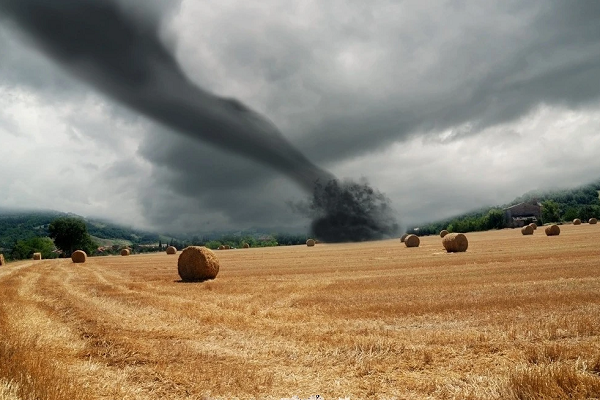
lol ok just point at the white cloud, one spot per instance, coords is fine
(429, 179)
(67, 156)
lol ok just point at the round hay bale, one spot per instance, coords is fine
(455, 243)
(78, 256)
(246, 246)
(197, 263)
(527, 230)
(533, 225)
(310, 242)
(412, 241)
(221, 247)
(443, 233)
(2, 261)
(125, 252)
(37, 256)
(552, 230)
(227, 247)
(403, 237)
(576, 221)
(593, 221)
(171, 250)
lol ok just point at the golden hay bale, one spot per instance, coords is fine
(443, 233)
(171, 250)
(310, 242)
(576, 221)
(533, 225)
(455, 243)
(37, 256)
(125, 252)
(552, 230)
(221, 247)
(593, 221)
(412, 241)
(78, 256)
(197, 263)
(246, 246)
(403, 237)
(227, 247)
(527, 230)
(2, 261)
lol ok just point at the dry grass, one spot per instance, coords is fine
(78, 256)
(508, 319)
(527, 230)
(171, 250)
(552, 230)
(412, 241)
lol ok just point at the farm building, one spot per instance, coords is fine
(522, 214)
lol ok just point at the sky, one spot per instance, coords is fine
(442, 106)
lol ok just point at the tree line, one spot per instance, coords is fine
(558, 206)
(62, 236)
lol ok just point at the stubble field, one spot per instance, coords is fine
(515, 317)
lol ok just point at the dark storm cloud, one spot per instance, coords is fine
(345, 79)
(215, 189)
(120, 53)
(486, 78)
(361, 76)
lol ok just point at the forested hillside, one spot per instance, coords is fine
(557, 206)
(25, 232)
(19, 226)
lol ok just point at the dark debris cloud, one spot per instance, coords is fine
(120, 53)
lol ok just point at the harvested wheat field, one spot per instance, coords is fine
(514, 317)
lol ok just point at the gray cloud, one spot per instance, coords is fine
(217, 188)
(345, 81)
(359, 77)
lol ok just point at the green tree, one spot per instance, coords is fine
(24, 249)
(70, 234)
(495, 219)
(571, 213)
(550, 211)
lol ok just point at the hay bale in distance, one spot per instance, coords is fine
(527, 230)
(125, 252)
(576, 221)
(552, 230)
(443, 233)
(37, 256)
(533, 225)
(412, 241)
(221, 247)
(171, 250)
(455, 243)
(403, 237)
(593, 221)
(227, 247)
(78, 256)
(246, 246)
(2, 261)
(310, 242)
(197, 263)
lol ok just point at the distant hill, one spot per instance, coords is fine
(20, 225)
(567, 204)
(24, 224)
